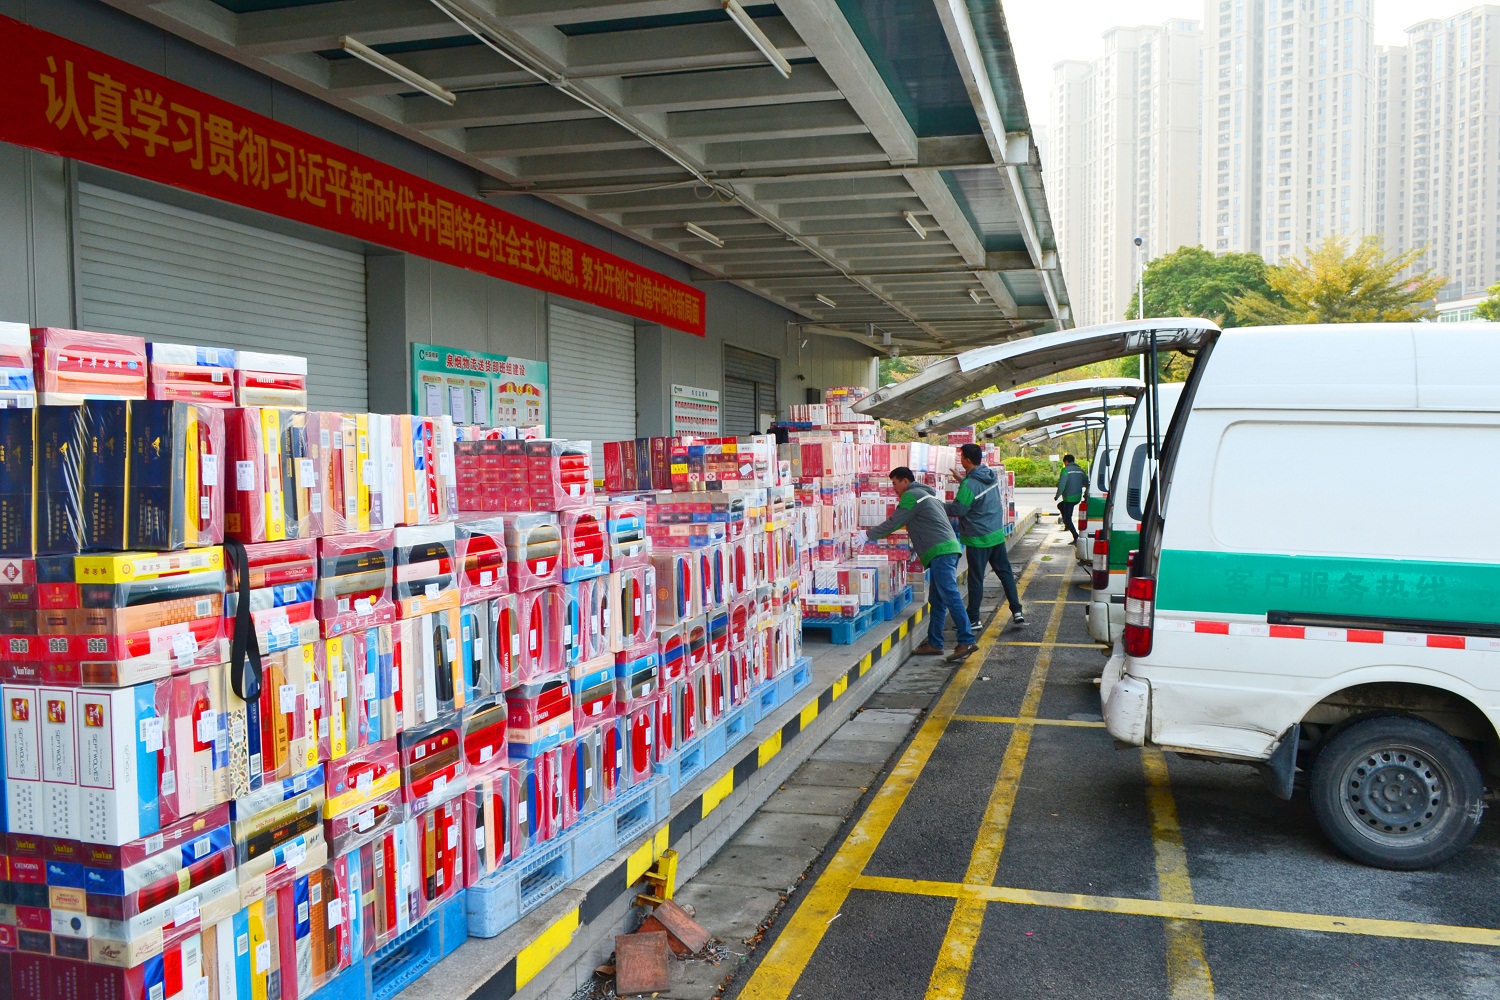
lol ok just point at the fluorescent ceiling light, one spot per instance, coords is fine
(827, 301)
(911, 220)
(752, 31)
(385, 64)
(703, 234)
(975, 296)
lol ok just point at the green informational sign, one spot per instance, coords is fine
(473, 387)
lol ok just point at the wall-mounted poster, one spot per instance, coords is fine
(695, 411)
(473, 387)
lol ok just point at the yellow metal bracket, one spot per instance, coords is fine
(662, 879)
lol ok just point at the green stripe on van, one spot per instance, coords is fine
(1095, 507)
(1121, 544)
(1254, 583)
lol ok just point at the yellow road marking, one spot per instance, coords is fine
(799, 939)
(1488, 937)
(1012, 720)
(1188, 975)
(1055, 645)
(950, 974)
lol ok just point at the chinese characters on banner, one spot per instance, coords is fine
(477, 388)
(695, 411)
(73, 101)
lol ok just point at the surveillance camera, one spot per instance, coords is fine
(1139, 241)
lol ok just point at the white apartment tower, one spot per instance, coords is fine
(1233, 92)
(1392, 134)
(1125, 159)
(1454, 165)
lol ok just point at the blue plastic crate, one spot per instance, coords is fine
(714, 744)
(901, 600)
(572, 574)
(351, 984)
(684, 765)
(398, 964)
(737, 725)
(639, 810)
(794, 680)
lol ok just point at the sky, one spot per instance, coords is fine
(1045, 32)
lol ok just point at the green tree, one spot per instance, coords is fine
(1338, 285)
(1191, 281)
(1490, 308)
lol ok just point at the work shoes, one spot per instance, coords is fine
(927, 649)
(961, 652)
(1017, 618)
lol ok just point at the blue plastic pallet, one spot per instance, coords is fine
(737, 725)
(520, 887)
(901, 600)
(766, 698)
(639, 810)
(685, 765)
(714, 744)
(593, 840)
(843, 631)
(795, 679)
(397, 964)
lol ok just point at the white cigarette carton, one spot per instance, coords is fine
(117, 773)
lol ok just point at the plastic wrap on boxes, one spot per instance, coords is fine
(677, 590)
(58, 456)
(593, 684)
(267, 495)
(505, 640)
(638, 677)
(361, 778)
(640, 740)
(634, 590)
(143, 615)
(477, 653)
(695, 634)
(540, 714)
(542, 614)
(426, 580)
(286, 719)
(282, 580)
(585, 543)
(667, 728)
(18, 482)
(590, 623)
(270, 380)
(359, 825)
(583, 779)
(175, 496)
(278, 810)
(544, 796)
(428, 651)
(363, 688)
(202, 767)
(17, 382)
(482, 571)
(560, 473)
(433, 765)
(491, 827)
(354, 581)
(533, 545)
(74, 365)
(191, 374)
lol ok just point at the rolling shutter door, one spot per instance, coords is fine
(591, 378)
(168, 273)
(749, 391)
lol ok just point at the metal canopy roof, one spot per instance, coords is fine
(1063, 429)
(1048, 415)
(1008, 365)
(1000, 404)
(647, 115)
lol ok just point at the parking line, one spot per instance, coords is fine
(1188, 975)
(779, 971)
(1056, 645)
(1408, 930)
(1012, 720)
(950, 974)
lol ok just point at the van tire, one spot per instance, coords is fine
(1431, 792)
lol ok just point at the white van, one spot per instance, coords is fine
(1311, 589)
(1091, 511)
(1120, 532)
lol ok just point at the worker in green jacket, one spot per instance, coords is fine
(920, 511)
(1071, 483)
(979, 508)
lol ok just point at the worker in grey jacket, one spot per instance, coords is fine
(1071, 483)
(920, 511)
(980, 510)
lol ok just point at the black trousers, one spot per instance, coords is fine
(1066, 510)
(996, 558)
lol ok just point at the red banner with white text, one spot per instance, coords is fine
(64, 98)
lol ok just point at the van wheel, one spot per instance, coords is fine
(1396, 791)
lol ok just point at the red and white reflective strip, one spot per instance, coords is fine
(1376, 637)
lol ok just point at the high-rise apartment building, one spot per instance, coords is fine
(1125, 159)
(1454, 147)
(1392, 140)
(1233, 97)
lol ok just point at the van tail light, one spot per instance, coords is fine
(1140, 615)
(1101, 560)
(1083, 515)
